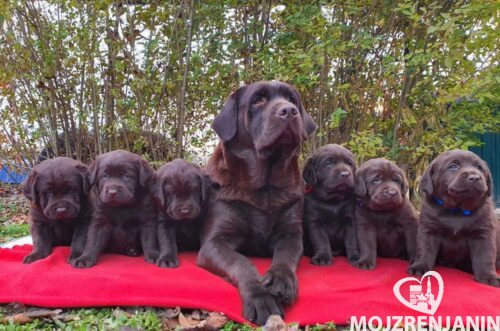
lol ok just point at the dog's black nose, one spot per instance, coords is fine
(473, 178)
(288, 112)
(344, 174)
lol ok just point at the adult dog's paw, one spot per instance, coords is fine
(282, 283)
(259, 304)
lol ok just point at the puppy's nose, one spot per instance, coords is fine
(473, 178)
(286, 112)
(112, 192)
(344, 174)
(391, 193)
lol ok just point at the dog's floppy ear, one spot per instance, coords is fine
(359, 183)
(29, 187)
(225, 124)
(404, 185)
(489, 178)
(145, 173)
(84, 174)
(206, 185)
(426, 182)
(92, 172)
(157, 189)
(309, 173)
(308, 123)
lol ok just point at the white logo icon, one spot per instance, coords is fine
(420, 300)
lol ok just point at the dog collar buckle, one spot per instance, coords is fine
(464, 212)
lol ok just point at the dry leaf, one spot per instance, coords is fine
(275, 323)
(187, 322)
(39, 313)
(18, 319)
(216, 320)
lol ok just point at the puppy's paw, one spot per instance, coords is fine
(259, 304)
(168, 262)
(321, 259)
(151, 258)
(417, 269)
(489, 280)
(73, 257)
(34, 257)
(364, 264)
(282, 284)
(84, 262)
(132, 252)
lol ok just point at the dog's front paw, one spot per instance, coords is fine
(168, 262)
(417, 269)
(259, 304)
(489, 280)
(364, 264)
(34, 257)
(84, 262)
(322, 259)
(281, 283)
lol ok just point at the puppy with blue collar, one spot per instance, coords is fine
(457, 225)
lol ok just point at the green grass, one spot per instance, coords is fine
(90, 319)
(13, 231)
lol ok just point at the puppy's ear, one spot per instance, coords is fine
(157, 190)
(404, 185)
(359, 184)
(426, 182)
(206, 186)
(145, 173)
(226, 123)
(29, 187)
(84, 174)
(489, 179)
(309, 173)
(92, 172)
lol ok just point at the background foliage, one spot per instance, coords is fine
(399, 79)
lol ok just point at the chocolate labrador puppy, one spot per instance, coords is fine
(329, 205)
(458, 227)
(59, 209)
(386, 220)
(181, 191)
(258, 209)
(124, 217)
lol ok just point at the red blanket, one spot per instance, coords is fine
(334, 293)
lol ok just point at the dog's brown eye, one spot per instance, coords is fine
(125, 177)
(258, 100)
(292, 100)
(453, 166)
(329, 163)
(479, 167)
(49, 194)
(397, 180)
(105, 176)
(377, 180)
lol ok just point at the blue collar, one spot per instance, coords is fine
(464, 212)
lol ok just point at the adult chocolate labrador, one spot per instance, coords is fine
(458, 227)
(258, 209)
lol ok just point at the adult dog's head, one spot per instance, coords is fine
(265, 116)
(58, 187)
(380, 184)
(121, 177)
(458, 179)
(330, 172)
(181, 189)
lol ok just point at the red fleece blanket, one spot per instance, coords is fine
(336, 293)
